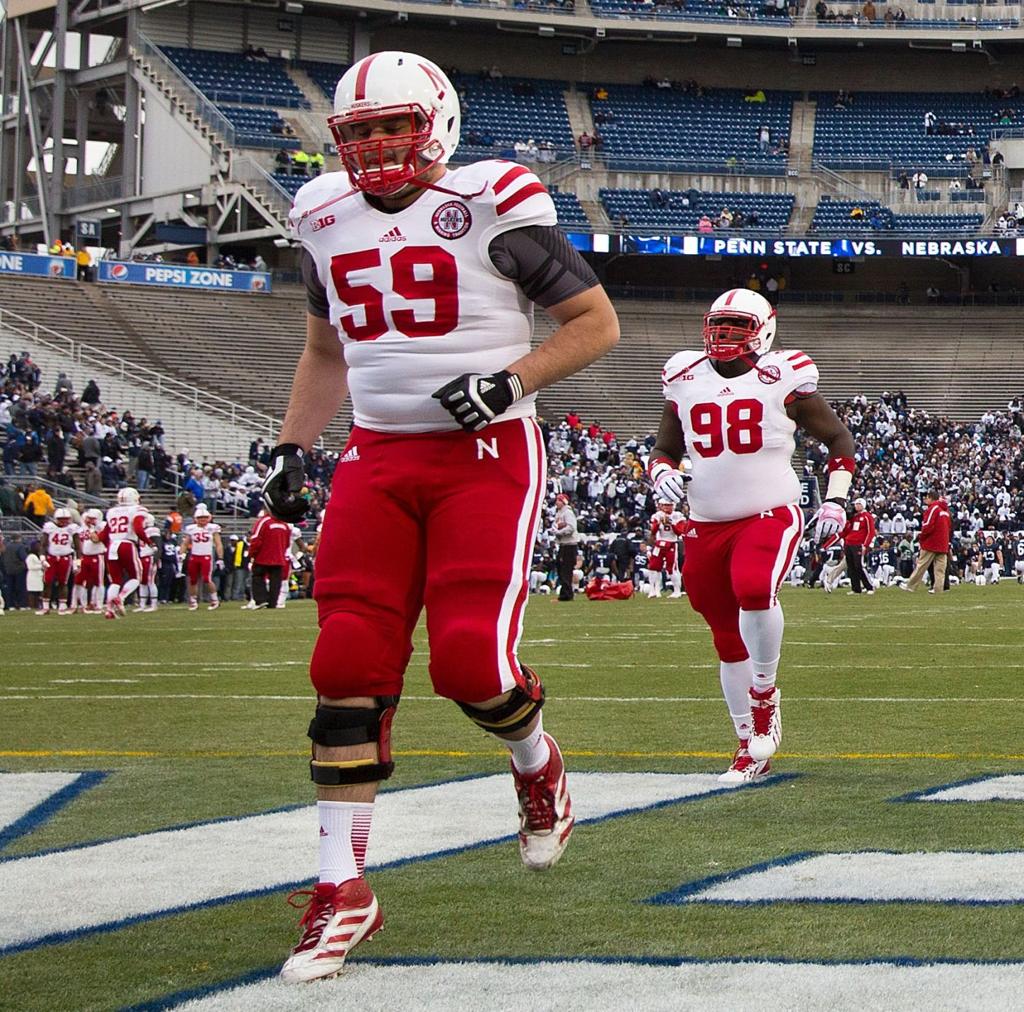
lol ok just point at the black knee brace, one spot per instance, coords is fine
(522, 705)
(335, 726)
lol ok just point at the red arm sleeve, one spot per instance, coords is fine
(139, 526)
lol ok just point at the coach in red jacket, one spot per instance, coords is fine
(858, 534)
(268, 549)
(936, 529)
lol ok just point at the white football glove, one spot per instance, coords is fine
(669, 482)
(828, 521)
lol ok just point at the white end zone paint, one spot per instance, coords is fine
(22, 792)
(172, 870)
(1005, 788)
(871, 877)
(708, 987)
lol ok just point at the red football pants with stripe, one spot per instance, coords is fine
(442, 520)
(739, 564)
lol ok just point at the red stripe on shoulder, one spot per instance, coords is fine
(530, 190)
(796, 355)
(512, 174)
(802, 365)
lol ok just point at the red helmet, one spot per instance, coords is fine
(561, 499)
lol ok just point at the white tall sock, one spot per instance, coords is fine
(736, 678)
(677, 582)
(126, 590)
(762, 636)
(344, 834)
(531, 753)
(112, 591)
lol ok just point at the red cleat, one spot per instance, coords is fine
(545, 812)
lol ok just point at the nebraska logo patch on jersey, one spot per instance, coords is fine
(769, 374)
(325, 222)
(452, 220)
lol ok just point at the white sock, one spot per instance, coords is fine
(762, 636)
(97, 597)
(654, 582)
(128, 588)
(531, 754)
(112, 591)
(344, 834)
(143, 594)
(736, 678)
(677, 582)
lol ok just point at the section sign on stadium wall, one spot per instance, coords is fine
(39, 266)
(181, 276)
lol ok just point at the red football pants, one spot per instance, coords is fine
(125, 566)
(739, 564)
(92, 571)
(663, 557)
(199, 568)
(58, 570)
(443, 520)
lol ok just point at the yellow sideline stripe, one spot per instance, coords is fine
(458, 754)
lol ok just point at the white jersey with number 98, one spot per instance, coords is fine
(414, 295)
(738, 436)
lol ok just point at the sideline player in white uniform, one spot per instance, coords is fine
(60, 545)
(667, 525)
(124, 532)
(1018, 556)
(734, 410)
(147, 556)
(428, 276)
(92, 570)
(202, 540)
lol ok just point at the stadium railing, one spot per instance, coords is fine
(199, 400)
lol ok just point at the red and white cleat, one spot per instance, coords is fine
(766, 711)
(118, 605)
(744, 769)
(213, 605)
(336, 920)
(545, 812)
(110, 613)
(193, 604)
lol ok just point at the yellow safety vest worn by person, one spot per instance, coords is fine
(40, 503)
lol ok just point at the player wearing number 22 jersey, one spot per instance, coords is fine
(734, 411)
(422, 282)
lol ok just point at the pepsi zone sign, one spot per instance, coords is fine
(180, 276)
(38, 266)
(838, 247)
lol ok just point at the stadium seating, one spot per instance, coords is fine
(773, 209)
(833, 217)
(258, 128)
(885, 131)
(326, 75)
(713, 132)
(230, 77)
(690, 10)
(512, 109)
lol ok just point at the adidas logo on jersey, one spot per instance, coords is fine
(350, 456)
(723, 392)
(691, 533)
(393, 235)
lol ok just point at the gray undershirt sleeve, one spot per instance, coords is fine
(543, 263)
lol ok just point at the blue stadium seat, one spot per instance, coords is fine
(773, 209)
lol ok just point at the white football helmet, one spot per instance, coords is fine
(92, 518)
(62, 516)
(394, 86)
(127, 497)
(200, 512)
(740, 322)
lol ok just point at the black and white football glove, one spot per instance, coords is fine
(474, 400)
(284, 489)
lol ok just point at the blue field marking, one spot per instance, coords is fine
(178, 998)
(680, 895)
(914, 796)
(64, 937)
(46, 810)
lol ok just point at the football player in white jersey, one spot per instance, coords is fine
(202, 541)
(147, 557)
(667, 525)
(124, 532)
(422, 282)
(60, 545)
(92, 570)
(734, 411)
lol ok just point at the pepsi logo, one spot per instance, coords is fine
(56, 268)
(118, 272)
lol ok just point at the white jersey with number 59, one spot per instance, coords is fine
(738, 436)
(414, 294)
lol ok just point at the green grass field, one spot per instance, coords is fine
(199, 716)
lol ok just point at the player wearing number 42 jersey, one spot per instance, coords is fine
(422, 282)
(734, 411)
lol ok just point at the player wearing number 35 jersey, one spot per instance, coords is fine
(734, 411)
(421, 285)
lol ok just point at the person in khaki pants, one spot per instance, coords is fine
(936, 528)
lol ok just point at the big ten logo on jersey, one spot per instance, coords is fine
(452, 220)
(417, 274)
(738, 427)
(325, 222)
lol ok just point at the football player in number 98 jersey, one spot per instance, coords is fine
(422, 282)
(734, 410)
